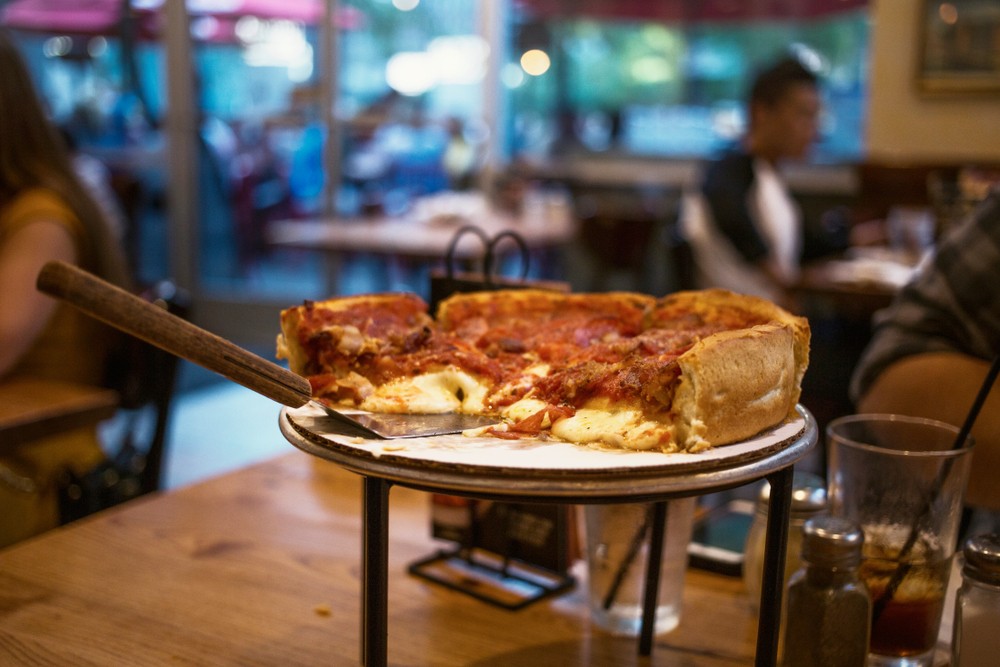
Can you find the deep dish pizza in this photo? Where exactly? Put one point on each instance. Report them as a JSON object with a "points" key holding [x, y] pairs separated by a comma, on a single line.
{"points": [[683, 372]]}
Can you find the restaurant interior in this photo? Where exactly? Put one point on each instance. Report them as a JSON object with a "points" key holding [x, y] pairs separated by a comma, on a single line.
{"points": [[263, 153]]}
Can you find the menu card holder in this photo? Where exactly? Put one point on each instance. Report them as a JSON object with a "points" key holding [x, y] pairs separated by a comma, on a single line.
{"points": [[507, 554]]}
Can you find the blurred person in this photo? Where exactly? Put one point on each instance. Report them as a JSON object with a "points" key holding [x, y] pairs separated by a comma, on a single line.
{"points": [[932, 348], [460, 159], [744, 227], [46, 214]]}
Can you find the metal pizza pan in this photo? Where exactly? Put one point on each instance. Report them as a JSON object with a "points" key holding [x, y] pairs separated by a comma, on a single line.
{"points": [[547, 468]]}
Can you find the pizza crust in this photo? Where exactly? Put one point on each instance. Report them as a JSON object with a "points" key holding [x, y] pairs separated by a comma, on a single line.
{"points": [[735, 384], [288, 346]]}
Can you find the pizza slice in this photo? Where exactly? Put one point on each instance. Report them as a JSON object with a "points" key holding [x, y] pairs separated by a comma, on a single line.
{"points": [[548, 325], [740, 380], [383, 353], [530, 332]]}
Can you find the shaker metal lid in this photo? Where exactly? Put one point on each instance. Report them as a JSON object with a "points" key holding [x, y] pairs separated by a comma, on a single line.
{"points": [[808, 494], [832, 540], [982, 558]]}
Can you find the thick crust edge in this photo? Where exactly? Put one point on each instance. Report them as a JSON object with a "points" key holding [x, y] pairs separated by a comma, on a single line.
{"points": [[735, 384], [288, 346]]}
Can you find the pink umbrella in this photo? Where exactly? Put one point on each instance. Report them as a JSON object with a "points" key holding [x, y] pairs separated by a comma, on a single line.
{"points": [[74, 16], [103, 16]]}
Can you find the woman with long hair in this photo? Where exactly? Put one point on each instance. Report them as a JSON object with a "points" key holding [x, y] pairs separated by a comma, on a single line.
{"points": [[45, 214]]}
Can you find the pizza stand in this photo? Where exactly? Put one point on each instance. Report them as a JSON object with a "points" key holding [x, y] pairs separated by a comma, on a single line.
{"points": [[488, 468], [531, 471]]}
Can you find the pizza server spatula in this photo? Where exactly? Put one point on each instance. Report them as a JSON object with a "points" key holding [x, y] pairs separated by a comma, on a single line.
{"points": [[144, 320]]}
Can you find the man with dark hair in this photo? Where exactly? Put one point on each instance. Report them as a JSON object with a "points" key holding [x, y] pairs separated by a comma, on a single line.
{"points": [[744, 227], [773, 83]]}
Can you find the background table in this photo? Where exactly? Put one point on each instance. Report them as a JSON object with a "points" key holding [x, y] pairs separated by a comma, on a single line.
{"points": [[422, 236], [840, 296], [853, 288]]}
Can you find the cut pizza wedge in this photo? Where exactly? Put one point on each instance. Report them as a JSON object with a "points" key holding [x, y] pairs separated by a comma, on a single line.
{"points": [[383, 353]]}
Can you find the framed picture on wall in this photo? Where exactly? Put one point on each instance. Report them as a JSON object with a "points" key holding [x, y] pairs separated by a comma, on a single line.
{"points": [[959, 47]]}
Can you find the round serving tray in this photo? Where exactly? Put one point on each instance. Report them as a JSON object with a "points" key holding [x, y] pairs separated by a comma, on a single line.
{"points": [[494, 467]]}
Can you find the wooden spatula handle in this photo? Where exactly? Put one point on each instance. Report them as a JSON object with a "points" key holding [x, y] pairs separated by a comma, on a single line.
{"points": [[145, 320]]}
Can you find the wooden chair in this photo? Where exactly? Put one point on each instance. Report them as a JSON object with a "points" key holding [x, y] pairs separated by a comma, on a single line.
{"points": [[151, 381], [145, 378]]}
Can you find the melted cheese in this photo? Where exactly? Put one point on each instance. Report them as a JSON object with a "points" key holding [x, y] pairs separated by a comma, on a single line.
{"points": [[626, 428], [448, 390], [523, 409]]}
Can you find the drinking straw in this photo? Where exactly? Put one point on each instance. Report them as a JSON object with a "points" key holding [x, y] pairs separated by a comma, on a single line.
{"points": [[630, 555], [904, 565]]}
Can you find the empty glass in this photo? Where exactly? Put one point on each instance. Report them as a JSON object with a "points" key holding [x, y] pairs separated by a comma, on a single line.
{"points": [[617, 552]]}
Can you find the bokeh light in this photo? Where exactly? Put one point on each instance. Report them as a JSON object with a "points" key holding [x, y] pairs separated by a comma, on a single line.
{"points": [[410, 73], [535, 62]]}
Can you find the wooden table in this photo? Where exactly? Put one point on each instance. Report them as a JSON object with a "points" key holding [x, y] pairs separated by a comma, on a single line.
{"points": [[32, 409], [261, 567], [422, 236]]}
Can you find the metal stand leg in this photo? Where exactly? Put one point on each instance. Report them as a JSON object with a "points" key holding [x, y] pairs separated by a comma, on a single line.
{"points": [[374, 572], [773, 581], [651, 591]]}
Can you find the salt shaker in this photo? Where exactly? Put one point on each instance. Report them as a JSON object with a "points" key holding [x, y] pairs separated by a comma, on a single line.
{"points": [[828, 616], [808, 500], [976, 639]]}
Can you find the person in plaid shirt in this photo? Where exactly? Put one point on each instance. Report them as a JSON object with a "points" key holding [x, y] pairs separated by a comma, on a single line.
{"points": [[932, 348]]}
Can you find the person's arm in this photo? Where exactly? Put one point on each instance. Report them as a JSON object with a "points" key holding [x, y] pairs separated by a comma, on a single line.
{"points": [[943, 386], [24, 310]]}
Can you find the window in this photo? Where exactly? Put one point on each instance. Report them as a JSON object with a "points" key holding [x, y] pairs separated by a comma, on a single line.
{"points": [[669, 79]]}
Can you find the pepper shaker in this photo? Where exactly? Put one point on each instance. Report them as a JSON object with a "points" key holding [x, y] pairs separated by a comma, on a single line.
{"points": [[828, 617]]}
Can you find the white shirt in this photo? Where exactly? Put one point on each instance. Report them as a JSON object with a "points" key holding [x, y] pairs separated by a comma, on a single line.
{"points": [[777, 217]]}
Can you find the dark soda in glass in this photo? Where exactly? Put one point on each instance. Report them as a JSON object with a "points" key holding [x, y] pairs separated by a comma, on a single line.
{"points": [[908, 623]]}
